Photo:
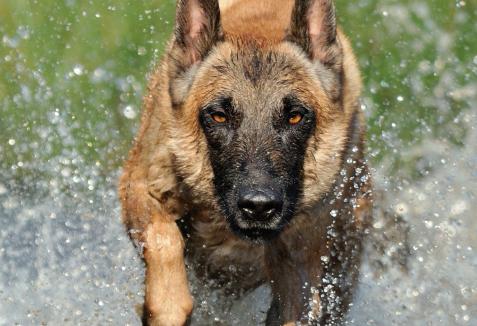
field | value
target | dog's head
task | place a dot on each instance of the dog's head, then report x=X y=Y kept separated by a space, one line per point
x=258 y=117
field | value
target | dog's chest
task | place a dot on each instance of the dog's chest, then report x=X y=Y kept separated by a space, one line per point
x=216 y=253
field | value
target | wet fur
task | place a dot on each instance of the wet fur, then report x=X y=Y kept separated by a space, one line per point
x=170 y=176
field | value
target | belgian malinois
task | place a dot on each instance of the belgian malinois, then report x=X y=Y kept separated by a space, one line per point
x=250 y=154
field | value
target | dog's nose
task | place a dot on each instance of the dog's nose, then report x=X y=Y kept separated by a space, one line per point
x=259 y=205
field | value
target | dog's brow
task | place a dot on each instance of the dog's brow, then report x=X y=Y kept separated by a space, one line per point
x=221 y=68
x=223 y=102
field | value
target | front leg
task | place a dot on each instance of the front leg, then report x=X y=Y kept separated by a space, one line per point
x=151 y=225
x=167 y=298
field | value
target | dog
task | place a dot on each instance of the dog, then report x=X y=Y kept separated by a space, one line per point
x=250 y=154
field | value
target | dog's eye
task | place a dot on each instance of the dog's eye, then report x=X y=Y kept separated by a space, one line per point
x=219 y=117
x=295 y=118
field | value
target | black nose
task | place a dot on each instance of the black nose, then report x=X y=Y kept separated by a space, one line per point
x=259 y=204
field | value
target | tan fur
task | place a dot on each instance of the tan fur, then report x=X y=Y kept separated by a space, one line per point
x=257 y=19
x=168 y=173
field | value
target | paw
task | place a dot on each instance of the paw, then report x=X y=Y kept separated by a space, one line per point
x=173 y=316
x=169 y=319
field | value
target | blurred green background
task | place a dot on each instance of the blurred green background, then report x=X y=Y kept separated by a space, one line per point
x=72 y=74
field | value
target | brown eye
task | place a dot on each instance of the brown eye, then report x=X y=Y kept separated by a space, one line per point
x=295 y=118
x=218 y=117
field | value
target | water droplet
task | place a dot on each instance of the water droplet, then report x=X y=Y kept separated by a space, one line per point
x=401 y=208
x=141 y=50
x=400 y=98
x=11 y=142
x=99 y=74
x=378 y=224
x=23 y=32
x=78 y=70
x=429 y=224
x=3 y=190
x=458 y=208
x=129 y=112
x=66 y=172
x=10 y=42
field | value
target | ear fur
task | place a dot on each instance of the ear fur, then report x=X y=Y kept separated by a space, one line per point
x=197 y=27
x=313 y=28
x=197 y=30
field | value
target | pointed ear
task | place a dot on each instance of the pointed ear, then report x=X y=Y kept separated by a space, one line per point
x=313 y=28
x=197 y=29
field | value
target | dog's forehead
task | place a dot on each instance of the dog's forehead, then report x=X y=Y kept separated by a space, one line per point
x=266 y=74
x=261 y=64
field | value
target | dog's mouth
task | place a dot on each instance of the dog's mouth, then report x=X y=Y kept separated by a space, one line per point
x=260 y=229
x=257 y=232
x=271 y=223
